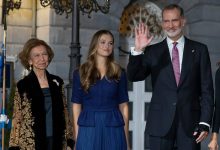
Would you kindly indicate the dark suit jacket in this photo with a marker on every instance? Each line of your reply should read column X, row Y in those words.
column 192, row 99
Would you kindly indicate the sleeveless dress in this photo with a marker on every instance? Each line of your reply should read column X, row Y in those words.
column 101, row 124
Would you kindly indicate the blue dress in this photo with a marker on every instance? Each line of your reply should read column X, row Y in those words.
column 101, row 124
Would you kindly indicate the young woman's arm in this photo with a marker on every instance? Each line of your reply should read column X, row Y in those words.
column 125, row 112
column 76, row 111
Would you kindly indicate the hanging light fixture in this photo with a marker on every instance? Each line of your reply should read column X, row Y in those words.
column 12, row 4
column 87, row 6
column 60, row 6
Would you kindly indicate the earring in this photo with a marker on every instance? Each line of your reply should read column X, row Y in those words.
column 30, row 67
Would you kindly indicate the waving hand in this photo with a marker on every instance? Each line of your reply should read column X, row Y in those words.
column 142, row 37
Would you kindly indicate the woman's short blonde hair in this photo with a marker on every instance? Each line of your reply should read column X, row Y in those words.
column 24, row 55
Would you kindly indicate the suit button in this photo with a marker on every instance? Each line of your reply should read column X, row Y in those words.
column 174, row 104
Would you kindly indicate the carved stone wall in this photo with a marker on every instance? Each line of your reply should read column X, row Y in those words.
column 202, row 25
column 56, row 30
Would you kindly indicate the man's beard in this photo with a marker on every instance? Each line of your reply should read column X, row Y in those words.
column 173, row 33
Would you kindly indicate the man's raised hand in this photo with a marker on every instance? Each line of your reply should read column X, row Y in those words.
column 142, row 37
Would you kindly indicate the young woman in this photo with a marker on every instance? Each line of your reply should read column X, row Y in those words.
column 100, row 108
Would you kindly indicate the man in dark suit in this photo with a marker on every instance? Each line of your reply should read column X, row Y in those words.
column 181, row 107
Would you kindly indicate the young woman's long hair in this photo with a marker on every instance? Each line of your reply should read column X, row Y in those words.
column 89, row 73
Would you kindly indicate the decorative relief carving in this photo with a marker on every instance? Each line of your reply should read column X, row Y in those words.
column 137, row 12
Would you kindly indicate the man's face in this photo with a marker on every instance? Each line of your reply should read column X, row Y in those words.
column 173, row 23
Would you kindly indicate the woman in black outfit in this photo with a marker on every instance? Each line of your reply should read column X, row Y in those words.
column 40, row 117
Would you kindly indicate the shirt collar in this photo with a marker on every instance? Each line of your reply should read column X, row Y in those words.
column 180, row 41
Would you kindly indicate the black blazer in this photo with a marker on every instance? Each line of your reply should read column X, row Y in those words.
column 192, row 99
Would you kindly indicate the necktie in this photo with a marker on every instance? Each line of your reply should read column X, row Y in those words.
column 176, row 63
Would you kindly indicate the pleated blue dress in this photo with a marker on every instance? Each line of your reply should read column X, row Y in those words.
column 101, row 124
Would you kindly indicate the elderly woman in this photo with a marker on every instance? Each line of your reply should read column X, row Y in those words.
column 40, row 117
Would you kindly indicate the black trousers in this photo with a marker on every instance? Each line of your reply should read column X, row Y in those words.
column 176, row 139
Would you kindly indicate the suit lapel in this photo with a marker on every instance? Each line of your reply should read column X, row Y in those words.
column 37, row 107
column 52, row 84
column 188, row 57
